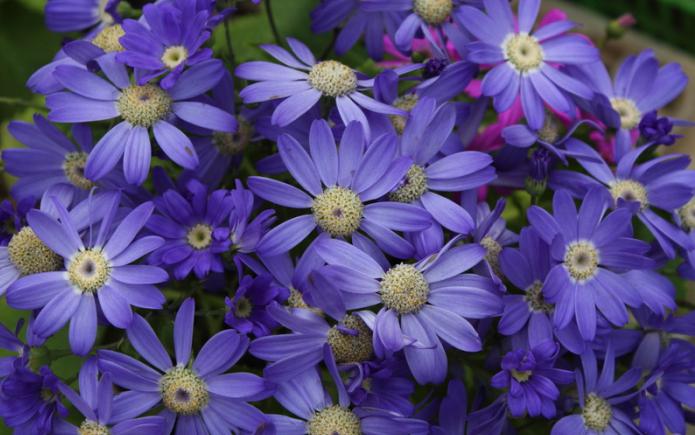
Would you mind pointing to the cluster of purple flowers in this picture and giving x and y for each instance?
(309, 249)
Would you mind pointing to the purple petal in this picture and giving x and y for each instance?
(219, 353)
(294, 107)
(108, 151)
(451, 327)
(176, 145)
(344, 254)
(205, 115)
(183, 331)
(324, 152)
(299, 164)
(56, 313)
(85, 83)
(83, 326)
(115, 308)
(69, 107)
(145, 341)
(286, 236)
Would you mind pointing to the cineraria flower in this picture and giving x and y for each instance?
(197, 395)
(598, 399)
(170, 41)
(670, 387)
(631, 95)
(91, 98)
(420, 15)
(302, 90)
(348, 341)
(657, 130)
(244, 231)
(491, 233)
(247, 310)
(526, 63)
(588, 248)
(374, 25)
(548, 137)
(51, 158)
(193, 228)
(342, 181)
(527, 268)
(663, 183)
(423, 303)
(29, 402)
(104, 413)
(384, 384)
(78, 15)
(531, 378)
(305, 397)
(98, 271)
(425, 133)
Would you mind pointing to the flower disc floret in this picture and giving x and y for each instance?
(89, 427)
(334, 420)
(174, 56)
(143, 106)
(597, 413)
(230, 144)
(30, 255)
(338, 211)
(413, 187)
(199, 236)
(534, 298)
(73, 166)
(406, 102)
(109, 38)
(521, 376)
(630, 115)
(89, 270)
(629, 190)
(348, 348)
(433, 12)
(404, 289)
(523, 52)
(687, 215)
(183, 391)
(581, 260)
(492, 253)
(332, 78)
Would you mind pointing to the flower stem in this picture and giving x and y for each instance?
(271, 21)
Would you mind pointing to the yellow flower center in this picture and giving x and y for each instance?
(183, 391)
(30, 255)
(413, 187)
(89, 270)
(534, 298)
(630, 115)
(334, 420)
(144, 105)
(89, 427)
(351, 348)
(73, 166)
(199, 236)
(406, 102)
(629, 190)
(521, 376)
(332, 78)
(230, 144)
(687, 215)
(492, 253)
(338, 211)
(523, 52)
(433, 12)
(109, 38)
(597, 413)
(581, 260)
(174, 56)
(404, 289)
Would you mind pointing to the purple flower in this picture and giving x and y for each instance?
(598, 399)
(197, 395)
(247, 310)
(526, 63)
(419, 15)
(588, 248)
(305, 397)
(343, 183)
(312, 340)
(657, 130)
(78, 15)
(426, 132)
(421, 304)
(91, 98)
(194, 230)
(303, 81)
(13, 217)
(170, 41)
(50, 159)
(330, 14)
(97, 270)
(246, 231)
(490, 232)
(29, 402)
(531, 378)
(384, 384)
(670, 387)
(632, 95)
(103, 412)
(663, 183)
